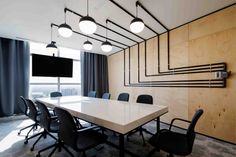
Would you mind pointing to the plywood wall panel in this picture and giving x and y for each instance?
(214, 23)
(208, 40)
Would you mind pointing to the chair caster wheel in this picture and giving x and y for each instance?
(26, 142)
(31, 149)
(38, 155)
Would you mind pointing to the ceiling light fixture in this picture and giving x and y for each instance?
(65, 30)
(87, 45)
(136, 25)
(106, 45)
(87, 24)
(51, 47)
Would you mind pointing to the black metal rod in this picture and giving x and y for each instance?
(178, 70)
(108, 20)
(110, 39)
(170, 81)
(149, 13)
(101, 25)
(117, 33)
(174, 86)
(173, 83)
(89, 36)
(119, 6)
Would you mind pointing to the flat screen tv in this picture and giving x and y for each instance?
(49, 66)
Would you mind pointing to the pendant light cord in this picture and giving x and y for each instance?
(51, 33)
(136, 11)
(65, 17)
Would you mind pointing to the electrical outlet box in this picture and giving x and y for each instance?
(221, 74)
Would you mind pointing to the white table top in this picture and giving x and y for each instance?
(116, 115)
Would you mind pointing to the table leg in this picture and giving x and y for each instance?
(158, 129)
(121, 145)
(158, 124)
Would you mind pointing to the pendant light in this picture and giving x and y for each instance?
(106, 45)
(51, 47)
(87, 45)
(136, 25)
(87, 24)
(65, 30)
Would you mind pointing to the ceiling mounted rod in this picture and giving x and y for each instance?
(111, 39)
(149, 13)
(66, 9)
(119, 6)
(125, 29)
(117, 33)
(52, 24)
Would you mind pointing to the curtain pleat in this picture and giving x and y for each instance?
(94, 73)
(14, 75)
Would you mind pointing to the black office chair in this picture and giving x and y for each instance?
(80, 140)
(174, 142)
(49, 123)
(33, 115)
(106, 96)
(146, 99)
(25, 110)
(123, 97)
(92, 94)
(55, 94)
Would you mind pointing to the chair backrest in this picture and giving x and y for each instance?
(67, 127)
(144, 98)
(193, 123)
(32, 110)
(44, 116)
(190, 132)
(123, 97)
(106, 96)
(55, 94)
(92, 94)
(23, 106)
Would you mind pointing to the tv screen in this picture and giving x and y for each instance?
(49, 66)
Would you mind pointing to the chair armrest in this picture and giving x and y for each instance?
(86, 129)
(187, 121)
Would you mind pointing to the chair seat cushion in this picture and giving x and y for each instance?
(89, 139)
(172, 142)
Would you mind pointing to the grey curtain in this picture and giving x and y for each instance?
(14, 74)
(94, 73)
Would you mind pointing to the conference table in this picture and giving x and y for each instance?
(118, 116)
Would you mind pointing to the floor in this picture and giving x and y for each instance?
(12, 145)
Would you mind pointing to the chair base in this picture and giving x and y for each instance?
(42, 134)
(58, 145)
(32, 125)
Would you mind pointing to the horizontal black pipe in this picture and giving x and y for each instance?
(117, 33)
(111, 39)
(89, 36)
(149, 13)
(108, 20)
(184, 81)
(174, 86)
(119, 6)
(66, 9)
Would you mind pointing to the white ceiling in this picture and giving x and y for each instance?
(30, 19)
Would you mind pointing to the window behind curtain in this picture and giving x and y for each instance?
(43, 86)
